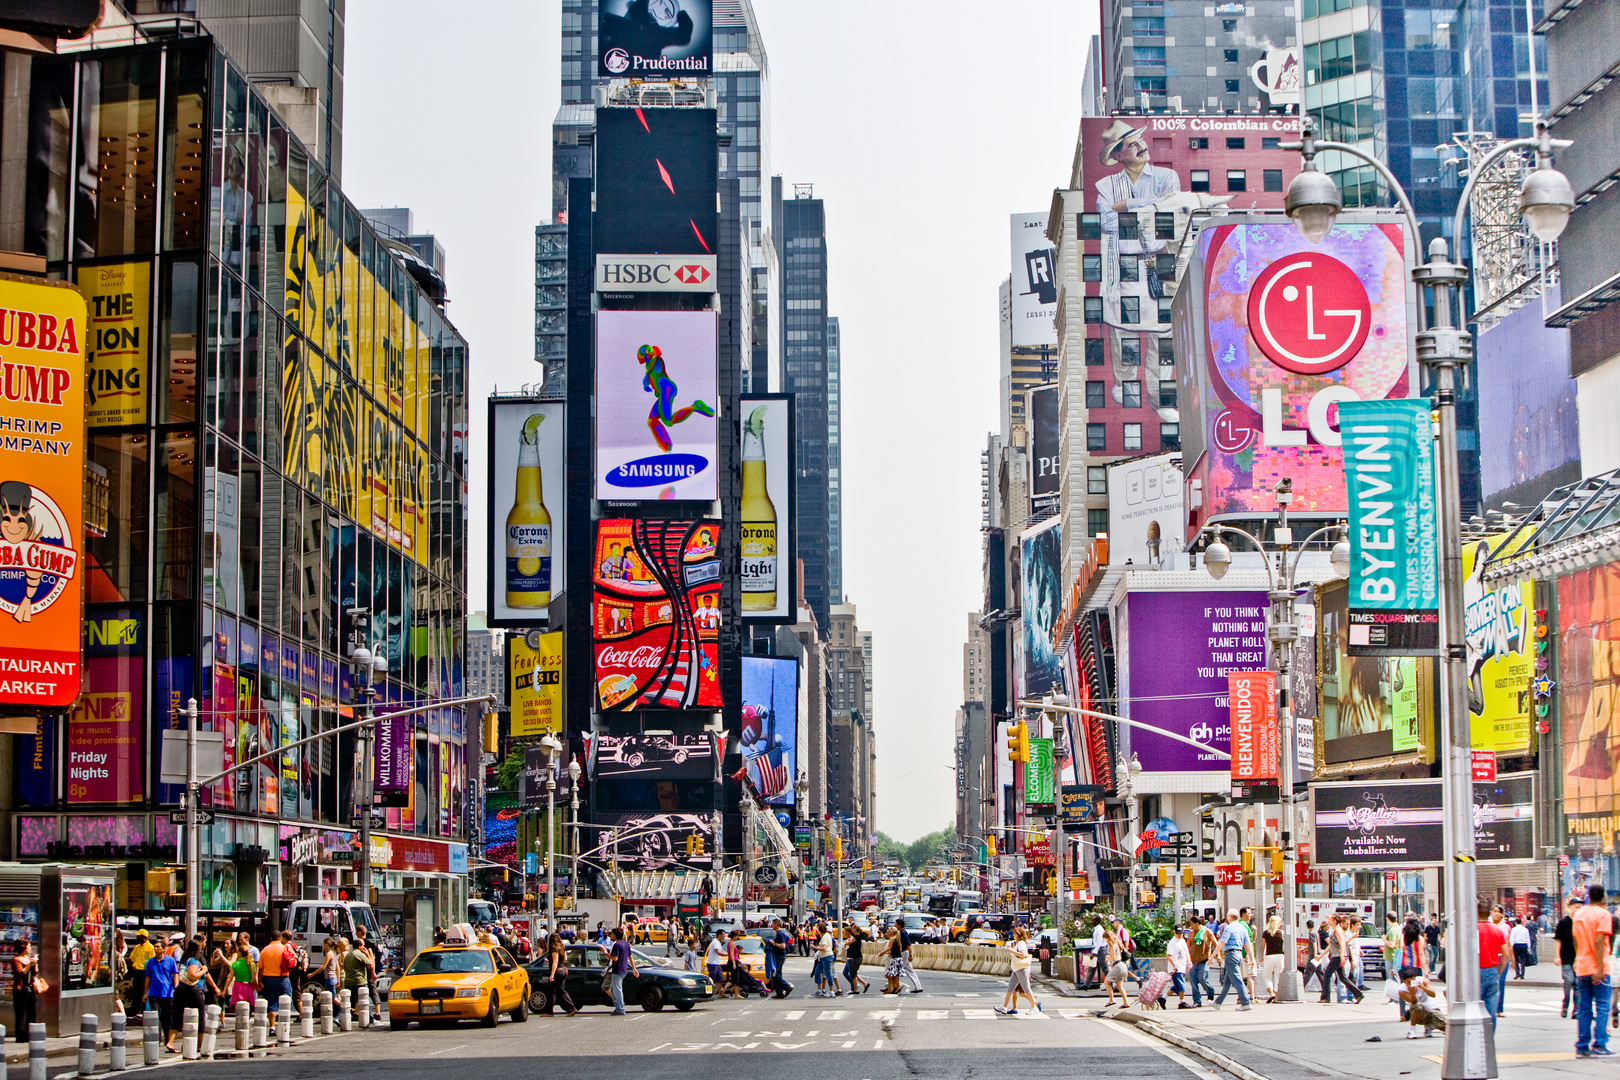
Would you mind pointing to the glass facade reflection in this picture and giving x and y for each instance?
(281, 410)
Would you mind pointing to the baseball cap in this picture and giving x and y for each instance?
(1578, 896)
(141, 933)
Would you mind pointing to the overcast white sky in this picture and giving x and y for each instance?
(923, 126)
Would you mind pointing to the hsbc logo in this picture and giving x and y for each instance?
(655, 273)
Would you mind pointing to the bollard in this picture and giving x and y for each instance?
(188, 1035)
(36, 1052)
(244, 1029)
(284, 1021)
(363, 1006)
(116, 1061)
(151, 1037)
(88, 1026)
(345, 1020)
(261, 1023)
(326, 1012)
(210, 1035)
(306, 1014)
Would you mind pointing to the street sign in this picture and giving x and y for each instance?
(343, 855)
(1178, 851)
(765, 875)
(1182, 838)
(178, 817)
(210, 756)
(1484, 766)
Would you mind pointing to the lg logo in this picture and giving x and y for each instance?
(1309, 313)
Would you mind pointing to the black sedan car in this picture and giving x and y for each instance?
(657, 983)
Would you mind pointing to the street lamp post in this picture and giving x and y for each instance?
(1125, 783)
(552, 747)
(1545, 201)
(365, 668)
(573, 805)
(1282, 628)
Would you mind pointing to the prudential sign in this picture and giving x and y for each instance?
(1394, 607)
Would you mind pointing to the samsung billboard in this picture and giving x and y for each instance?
(656, 405)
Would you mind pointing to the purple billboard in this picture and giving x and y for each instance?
(392, 786)
(1185, 644)
(1529, 442)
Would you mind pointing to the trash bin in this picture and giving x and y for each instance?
(1046, 962)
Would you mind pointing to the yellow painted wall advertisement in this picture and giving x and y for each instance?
(42, 402)
(1501, 653)
(119, 299)
(534, 688)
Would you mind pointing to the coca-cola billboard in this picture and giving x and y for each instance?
(655, 612)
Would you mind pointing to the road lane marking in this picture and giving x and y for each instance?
(660, 1046)
(1192, 1066)
(735, 1046)
(979, 1014)
(933, 1014)
(447, 1049)
(878, 1045)
(797, 1014)
(833, 1014)
(849, 1044)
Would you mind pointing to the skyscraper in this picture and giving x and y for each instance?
(835, 457)
(1187, 57)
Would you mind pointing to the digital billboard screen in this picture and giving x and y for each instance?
(1041, 589)
(655, 39)
(655, 610)
(1273, 333)
(770, 725)
(769, 583)
(655, 841)
(662, 757)
(657, 400)
(528, 508)
(1369, 707)
(1034, 283)
(1046, 456)
(1529, 440)
(657, 170)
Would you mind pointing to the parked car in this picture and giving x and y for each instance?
(654, 985)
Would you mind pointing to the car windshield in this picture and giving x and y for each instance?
(914, 922)
(649, 958)
(452, 962)
(750, 945)
(983, 935)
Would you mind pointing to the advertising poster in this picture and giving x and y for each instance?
(87, 935)
(656, 614)
(770, 726)
(655, 39)
(1370, 706)
(1182, 646)
(657, 171)
(1505, 818)
(534, 689)
(1034, 283)
(1041, 569)
(527, 498)
(391, 782)
(1146, 519)
(1394, 541)
(1499, 624)
(1082, 804)
(1253, 701)
(668, 757)
(655, 841)
(769, 583)
(42, 494)
(1588, 665)
(1046, 455)
(532, 783)
(1399, 823)
(1529, 440)
(657, 401)
(104, 734)
(119, 298)
(1273, 335)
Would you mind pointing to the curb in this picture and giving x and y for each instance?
(1198, 1049)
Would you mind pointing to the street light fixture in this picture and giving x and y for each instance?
(1341, 560)
(1313, 202)
(1218, 557)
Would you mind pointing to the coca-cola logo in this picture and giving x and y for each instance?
(644, 657)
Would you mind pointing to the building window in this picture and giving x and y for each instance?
(1096, 480)
(1130, 309)
(1096, 522)
(1198, 143)
(1151, 84)
(1133, 393)
(1133, 436)
(1094, 309)
(1167, 393)
(1232, 86)
(1096, 394)
(1234, 143)
(1165, 304)
(1272, 179)
(1199, 180)
(1228, 26)
(1096, 436)
(1338, 57)
(1091, 226)
(1091, 268)
(1169, 436)
(1094, 350)
(1130, 267)
(1271, 143)
(1130, 227)
(1164, 265)
(1167, 352)
(1237, 180)
(1164, 226)
(1130, 351)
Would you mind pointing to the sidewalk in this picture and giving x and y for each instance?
(1309, 1041)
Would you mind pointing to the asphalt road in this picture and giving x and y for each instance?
(950, 1031)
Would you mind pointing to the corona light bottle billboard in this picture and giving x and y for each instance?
(528, 526)
(758, 520)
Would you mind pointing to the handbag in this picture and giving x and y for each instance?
(40, 985)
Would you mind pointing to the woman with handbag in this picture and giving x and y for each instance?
(557, 978)
(896, 962)
(26, 986)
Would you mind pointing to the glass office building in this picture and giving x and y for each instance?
(280, 411)
(803, 238)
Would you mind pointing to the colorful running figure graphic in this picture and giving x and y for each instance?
(657, 381)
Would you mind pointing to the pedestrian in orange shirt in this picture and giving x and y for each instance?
(1594, 939)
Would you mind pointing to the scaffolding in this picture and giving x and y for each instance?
(1510, 266)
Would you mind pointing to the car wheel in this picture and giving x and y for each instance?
(539, 998)
(652, 999)
(680, 757)
(398, 1025)
(521, 1013)
(493, 1017)
(635, 760)
(683, 1006)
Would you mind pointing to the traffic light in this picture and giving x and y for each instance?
(1277, 863)
(492, 733)
(1052, 884)
(1247, 859)
(838, 849)
(1186, 877)
(989, 847)
(1164, 877)
(866, 865)
(1018, 742)
(690, 847)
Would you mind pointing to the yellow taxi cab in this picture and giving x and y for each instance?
(648, 929)
(752, 951)
(982, 935)
(461, 979)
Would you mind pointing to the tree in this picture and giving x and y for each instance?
(510, 771)
(917, 853)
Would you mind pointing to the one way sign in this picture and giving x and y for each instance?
(178, 817)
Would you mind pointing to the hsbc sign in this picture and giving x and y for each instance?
(655, 273)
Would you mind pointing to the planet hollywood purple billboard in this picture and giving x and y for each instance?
(392, 785)
(1181, 646)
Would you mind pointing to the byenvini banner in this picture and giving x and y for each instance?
(1394, 605)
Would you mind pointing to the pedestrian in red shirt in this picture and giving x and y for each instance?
(1494, 957)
